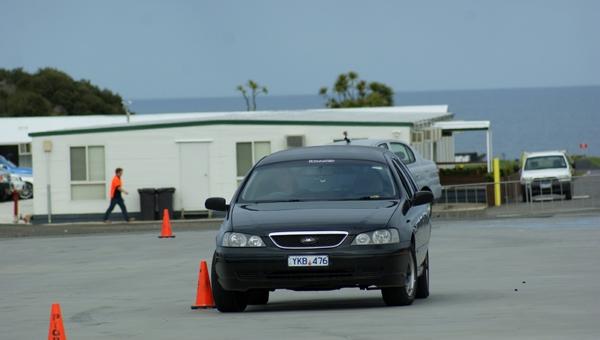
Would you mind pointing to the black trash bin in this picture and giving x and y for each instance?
(148, 204)
(165, 201)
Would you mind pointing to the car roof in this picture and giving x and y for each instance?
(368, 142)
(544, 153)
(367, 153)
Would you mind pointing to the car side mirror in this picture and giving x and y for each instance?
(215, 203)
(422, 197)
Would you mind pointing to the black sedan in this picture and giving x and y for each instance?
(323, 218)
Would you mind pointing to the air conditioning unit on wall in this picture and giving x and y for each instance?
(296, 141)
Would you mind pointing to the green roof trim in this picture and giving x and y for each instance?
(213, 122)
(465, 129)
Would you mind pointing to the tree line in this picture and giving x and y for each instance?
(348, 90)
(50, 92)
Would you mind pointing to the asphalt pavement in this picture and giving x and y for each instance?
(531, 278)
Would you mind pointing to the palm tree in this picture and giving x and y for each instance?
(255, 90)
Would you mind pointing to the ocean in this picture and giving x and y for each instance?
(522, 119)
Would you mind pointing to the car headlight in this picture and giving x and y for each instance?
(381, 236)
(239, 240)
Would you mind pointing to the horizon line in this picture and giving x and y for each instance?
(395, 92)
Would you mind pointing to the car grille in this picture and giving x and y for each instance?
(545, 179)
(308, 240)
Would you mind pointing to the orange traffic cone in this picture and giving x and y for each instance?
(56, 331)
(204, 297)
(166, 226)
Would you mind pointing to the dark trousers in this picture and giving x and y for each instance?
(116, 201)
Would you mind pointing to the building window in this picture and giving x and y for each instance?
(416, 137)
(248, 153)
(25, 149)
(88, 181)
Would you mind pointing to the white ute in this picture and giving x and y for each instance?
(546, 173)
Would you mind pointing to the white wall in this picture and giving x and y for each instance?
(150, 158)
(445, 149)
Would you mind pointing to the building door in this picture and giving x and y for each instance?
(193, 174)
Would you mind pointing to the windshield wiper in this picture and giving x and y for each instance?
(277, 201)
(366, 198)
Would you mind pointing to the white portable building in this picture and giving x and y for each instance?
(202, 154)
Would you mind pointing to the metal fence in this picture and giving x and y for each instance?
(545, 195)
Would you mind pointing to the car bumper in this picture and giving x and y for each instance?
(554, 187)
(242, 270)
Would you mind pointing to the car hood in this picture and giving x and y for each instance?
(351, 216)
(532, 174)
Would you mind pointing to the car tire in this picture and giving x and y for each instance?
(405, 295)
(568, 194)
(524, 193)
(226, 301)
(27, 191)
(423, 280)
(258, 297)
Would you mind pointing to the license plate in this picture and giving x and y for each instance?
(545, 185)
(308, 261)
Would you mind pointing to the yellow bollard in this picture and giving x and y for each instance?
(497, 195)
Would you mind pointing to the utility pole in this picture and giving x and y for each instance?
(126, 104)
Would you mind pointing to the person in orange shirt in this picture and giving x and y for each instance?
(116, 197)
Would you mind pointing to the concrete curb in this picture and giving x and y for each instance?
(83, 228)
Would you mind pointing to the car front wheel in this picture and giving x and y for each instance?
(423, 280)
(568, 193)
(27, 191)
(403, 296)
(227, 301)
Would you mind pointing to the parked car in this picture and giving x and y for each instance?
(425, 172)
(546, 173)
(323, 218)
(26, 174)
(18, 184)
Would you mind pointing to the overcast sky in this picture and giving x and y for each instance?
(166, 49)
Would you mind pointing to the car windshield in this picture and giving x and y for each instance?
(545, 162)
(319, 180)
